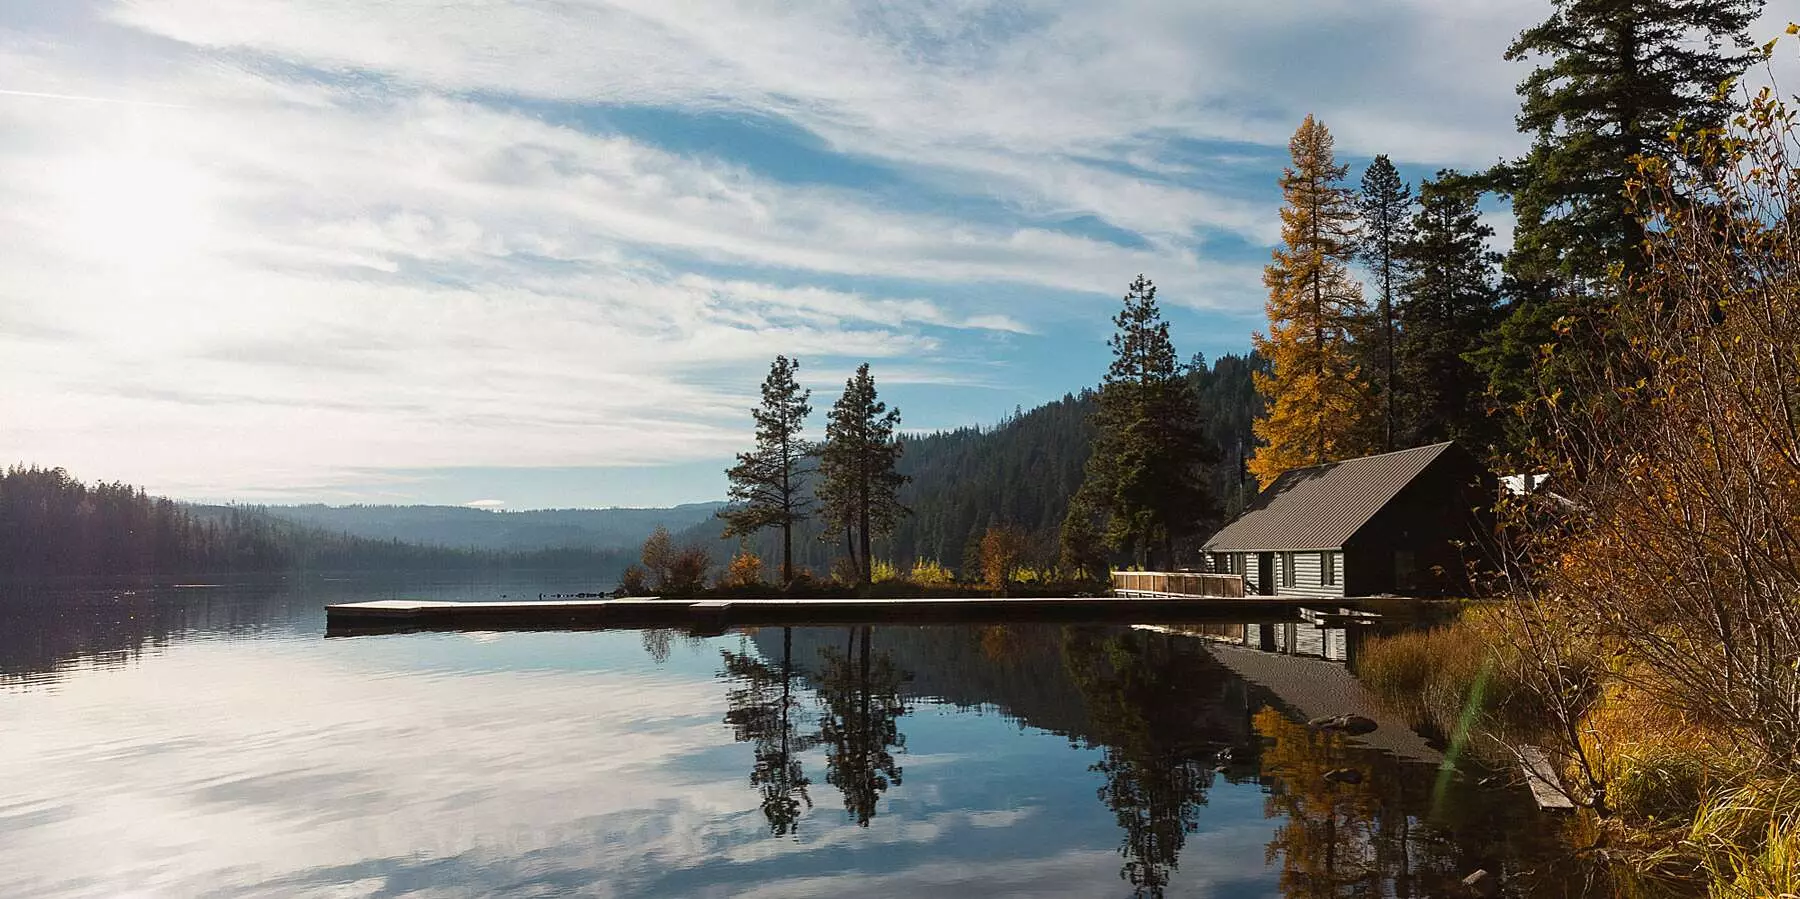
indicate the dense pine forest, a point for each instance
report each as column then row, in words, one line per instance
column 52, row 524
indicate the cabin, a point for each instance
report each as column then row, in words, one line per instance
column 1406, row 523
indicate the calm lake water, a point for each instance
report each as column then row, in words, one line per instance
column 210, row 741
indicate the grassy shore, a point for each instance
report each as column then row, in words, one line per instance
column 1667, row 804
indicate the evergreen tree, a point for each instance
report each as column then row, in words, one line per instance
column 1615, row 78
column 858, row 485
column 767, row 485
column 1448, row 303
column 1148, row 476
column 1386, row 203
column 1318, row 401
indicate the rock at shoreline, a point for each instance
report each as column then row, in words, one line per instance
column 1354, row 725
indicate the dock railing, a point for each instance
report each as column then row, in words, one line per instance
column 1177, row 583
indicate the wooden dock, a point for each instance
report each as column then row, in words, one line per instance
column 717, row 616
column 1540, row 776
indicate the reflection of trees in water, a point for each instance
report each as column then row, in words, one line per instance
column 1159, row 708
column 657, row 642
column 1335, row 838
column 45, row 630
column 762, row 709
column 860, row 703
column 1397, row 832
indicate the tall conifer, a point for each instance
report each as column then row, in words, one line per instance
column 1148, row 480
column 767, row 485
column 1317, row 398
column 1386, row 204
column 858, row 486
column 1614, row 79
column 1447, row 304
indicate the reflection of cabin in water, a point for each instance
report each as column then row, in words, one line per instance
column 1405, row 523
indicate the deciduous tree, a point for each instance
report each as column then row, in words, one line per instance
column 1002, row 549
column 1317, row 397
column 1684, row 558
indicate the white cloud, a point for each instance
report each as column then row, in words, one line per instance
column 322, row 238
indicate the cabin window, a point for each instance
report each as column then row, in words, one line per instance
column 1328, row 568
column 1288, row 565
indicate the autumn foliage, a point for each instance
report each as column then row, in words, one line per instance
column 1319, row 402
column 1002, row 549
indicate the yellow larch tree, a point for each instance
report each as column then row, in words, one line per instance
column 1319, row 404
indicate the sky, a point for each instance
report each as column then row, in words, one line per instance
column 539, row 254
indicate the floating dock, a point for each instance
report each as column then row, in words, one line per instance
column 719, row 615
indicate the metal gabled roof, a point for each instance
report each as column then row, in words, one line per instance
column 1321, row 507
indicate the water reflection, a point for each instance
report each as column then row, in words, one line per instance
column 1169, row 722
column 860, row 706
column 763, row 709
column 239, row 754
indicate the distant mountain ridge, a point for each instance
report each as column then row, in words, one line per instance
column 462, row 527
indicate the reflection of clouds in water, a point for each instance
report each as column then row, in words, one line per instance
column 308, row 764
column 376, row 768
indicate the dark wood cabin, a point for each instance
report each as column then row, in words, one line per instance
column 1406, row 523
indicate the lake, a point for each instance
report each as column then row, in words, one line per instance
column 210, row 741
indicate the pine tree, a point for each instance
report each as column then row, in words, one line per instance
column 767, row 485
column 1148, row 477
column 858, row 484
column 1317, row 398
column 1616, row 78
column 1386, row 204
column 1447, row 304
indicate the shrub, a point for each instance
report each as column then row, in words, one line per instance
column 634, row 582
column 930, row 573
column 882, row 570
column 687, row 572
column 745, row 570
column 845, row 571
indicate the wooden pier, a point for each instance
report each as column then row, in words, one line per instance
column 717, row 616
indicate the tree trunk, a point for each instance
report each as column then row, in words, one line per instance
column 868, row 563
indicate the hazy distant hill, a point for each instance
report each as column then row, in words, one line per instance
column 461, row 527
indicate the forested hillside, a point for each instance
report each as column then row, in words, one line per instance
column 1020, row 472
column 465, row 528
column 52, row 524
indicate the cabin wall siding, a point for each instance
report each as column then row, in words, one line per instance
column 1308, row 574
